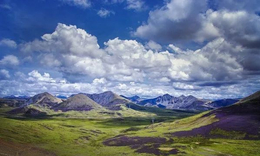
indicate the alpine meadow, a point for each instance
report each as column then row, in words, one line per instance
column 129, row 78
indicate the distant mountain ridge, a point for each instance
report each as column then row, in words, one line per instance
column 182, row 102
column 171, row 102
column 112, row 101
column 16, row 97
column 134, row 99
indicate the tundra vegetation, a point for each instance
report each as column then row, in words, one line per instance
column 135, row 130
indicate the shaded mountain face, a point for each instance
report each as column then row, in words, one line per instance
column 108, row 99
column 78, row 102
column 44, row 99
column 12, row 102
column 222, row 103
column 39, row 101
column 242, row 117
column 134, row 99
column 32, row 112
column 252, row 98
column 182, row 102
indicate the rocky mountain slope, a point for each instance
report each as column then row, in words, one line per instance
column 108, row 99
column 37, row 105
column 78, row 102
column 182, row 102
column 44, row 99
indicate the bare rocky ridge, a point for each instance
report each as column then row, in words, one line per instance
column 182, row 102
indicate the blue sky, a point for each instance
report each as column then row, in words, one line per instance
column 208, row 48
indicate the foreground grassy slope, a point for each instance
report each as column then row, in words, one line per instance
column 61, row 136
column 79, row 133
column 225, row 143
column 129, row 131
column 233, row 130
column 66, row 136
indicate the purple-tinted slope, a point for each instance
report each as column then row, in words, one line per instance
column 243, row 117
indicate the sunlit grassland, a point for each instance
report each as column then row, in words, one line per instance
column 83, row 133
column 184, row 124
column 77, row 133
column 63, row 136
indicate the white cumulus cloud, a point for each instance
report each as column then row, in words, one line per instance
column 9, row 61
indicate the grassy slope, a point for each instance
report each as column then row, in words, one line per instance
column 84, row 134
column 197, row 145
column 232, row 145
column 185, row 124
column 79, row 133
column 63, row 136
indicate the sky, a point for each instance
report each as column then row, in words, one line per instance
column 207, row 48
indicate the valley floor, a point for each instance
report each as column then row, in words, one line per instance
column 127, row 136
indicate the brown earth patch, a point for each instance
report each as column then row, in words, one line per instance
column 18, row 149
column 141, row 144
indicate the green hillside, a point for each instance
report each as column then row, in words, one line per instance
column 134, row 130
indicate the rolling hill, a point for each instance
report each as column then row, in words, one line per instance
column 138, row 130
column 44, row 99
column 232, row 130
column 78, row 102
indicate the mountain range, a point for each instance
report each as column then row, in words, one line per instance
column 170, row 102
column 110, row 101
column 229, row 125
column 182, row 102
